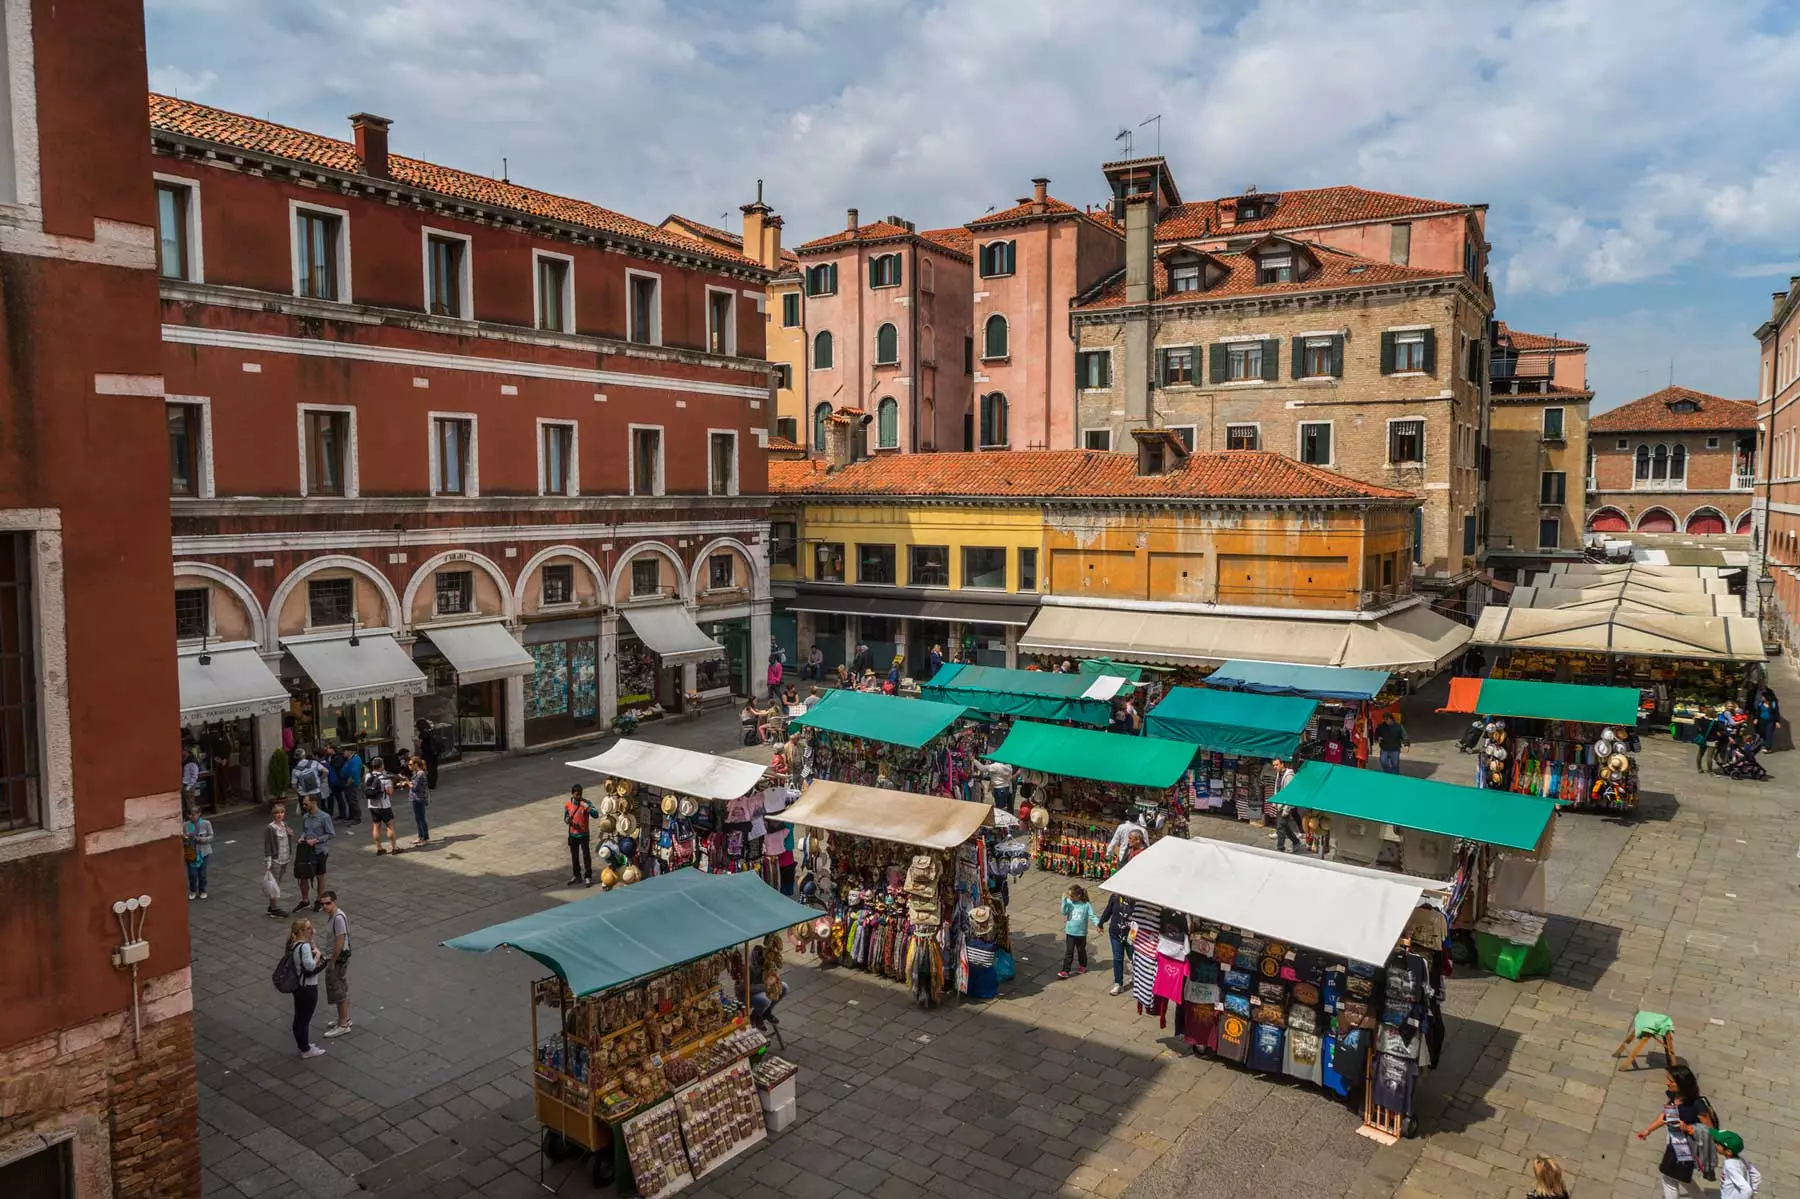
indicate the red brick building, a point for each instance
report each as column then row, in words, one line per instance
column 444, row 448
column 1776, row 542
column 1676, row 461
column 97, row 1090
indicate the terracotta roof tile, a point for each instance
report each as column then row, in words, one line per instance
column 712, row 233
column 1337, row 269
column 781, row 445
column 955, row 240
column 1053, row 207
column 184, row 118
column 1658, row 411
column 790, row 476
column 1079, row 474
column 1525, row 342
column 1303, row 209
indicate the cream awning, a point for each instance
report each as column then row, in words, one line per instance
column 685, row 771
column 1703, row 580
column 671, row 634
column 931, row 821
column 1630, row 599
column 1412, row 639
column 481, row 652
column 375, row 667
column 1636, row 634
column 233, row 682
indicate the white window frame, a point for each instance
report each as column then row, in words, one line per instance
column 1193, row 435
column 465, row 283
column 1712, row 443
column 204, row 448
column 1196, row 265
column 56, row 771
column 1306, row 340
column 568, row 296
column 731, row 324
column 1387, row 443
column 731, row 484
column 1106, row 350
column 662, row 458
column 1225, row 428
column 656, row 322
column 295, row 208
column 196, row 248
column 1106, row 429
column 472, row 488
column 574, row 464
column 1300, row 442
column 1397, row 330
column 352, row 483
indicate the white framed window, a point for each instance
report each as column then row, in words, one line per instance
column 1093, row 370
column 1406, row 441
column 1187, row 433
column 321, row 251
column 37, row 797
column 1184, row 275
column 449, row 273
column 643, row 307
column 721, row 462
column 559, row 457
column 1096, row 439
column 189, row 421
column 1244, row 362
column 644, row 459
column 1246, row 436
column 455, row 460
column 327, row 434
column 553, row 291
column 1313, row 442
column 721, row 320
column 996, row 258
column 180, row 252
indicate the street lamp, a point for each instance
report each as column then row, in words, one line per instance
column 1765, row 590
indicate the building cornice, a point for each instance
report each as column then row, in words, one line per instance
column 1253, row 304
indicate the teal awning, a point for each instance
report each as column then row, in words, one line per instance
column 1491, row 816
column 876, row 717
column 658, row 924
column 1232, row 722
column 1287, row 678
column 1107, row 666
column 1041, row 695
column 1088, row 754
column 1558, row 701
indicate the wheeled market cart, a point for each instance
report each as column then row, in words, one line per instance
column 647, row 1065
column 1240, row 733
column 1562, row 741
column 864, row 738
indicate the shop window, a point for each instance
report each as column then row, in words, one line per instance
column 1242, row 437
column 929, row 566
column 455, row 592
column 193, row 613
column 186, row 422
column 646, row 575
column 984, row 566
column 1406, row 442
column 875, row 564
column 783, row 547
column 330, row 602
column 558, row 583
column 721, row 573
column 1028, row 572
column 828, row 562
column 19, row 754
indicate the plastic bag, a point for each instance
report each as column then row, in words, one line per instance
column 1005, row 970
column 271, row 888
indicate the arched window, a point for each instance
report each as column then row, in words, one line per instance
column 884, row 270
column 997, row 258
column 1659, row 463
column 821, row 413
column 993, row 337
column 1643, row 462
column 927, row 275
column 1678, row 464
column 822, row 352
column 993, row 420
column 887, row 345
column 887, row 423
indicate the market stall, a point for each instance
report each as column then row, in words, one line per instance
column 872, row 739
column 1351, row 702
column 1318, row 971
column 1084, row 783
column 1239, row 733
column 1040, row 695
column 905, row 880
column 1561, row 741
column 646, row 1061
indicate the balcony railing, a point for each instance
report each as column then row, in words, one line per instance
column 1659, row 484
column 1742, row 482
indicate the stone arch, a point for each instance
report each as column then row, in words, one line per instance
column 1657, row 520
column 395, row 613
column 758, row 563
column 1706, row 521
column 1745, row 524
column 259, row 625
column 682, row 579
column 1608, row 520
column 481, row 561
column 595, row 570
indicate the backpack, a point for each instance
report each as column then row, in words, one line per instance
column 373, row 791
column 287, row 974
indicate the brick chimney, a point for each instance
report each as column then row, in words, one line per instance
column 771, row 255
column 372, row 143
column 756, row 216
column 850, row 221
column 1040, row 194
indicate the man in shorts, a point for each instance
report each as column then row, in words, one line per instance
column 380, row 792
column 337, row 965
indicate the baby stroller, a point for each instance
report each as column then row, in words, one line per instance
column 1471, row 737
column 1742, row 763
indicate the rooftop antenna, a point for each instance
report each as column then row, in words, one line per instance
column 990, row 208
column 1124, row 135
column 1157, row 119
column 1671, row 372
column 505, row 171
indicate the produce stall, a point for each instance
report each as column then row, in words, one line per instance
column 1239, row 733
column 1081, row 698
column 647, row 1062
column 870, row 739
column 1562, row 741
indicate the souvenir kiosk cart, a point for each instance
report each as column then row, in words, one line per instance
column 1085, row 783
column 1490, row 846
column 1562, row 741
column 642, row 1052
column 904, row 880
column 683, row 808
column 1318, row 971
column 864, row 738
column 1038, row 695
column 1351, row 702
column 1239, row 734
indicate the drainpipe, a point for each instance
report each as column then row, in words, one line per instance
column 914, row 367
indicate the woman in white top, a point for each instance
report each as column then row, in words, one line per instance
column 309, row 964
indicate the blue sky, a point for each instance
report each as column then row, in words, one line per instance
column 1640, row 157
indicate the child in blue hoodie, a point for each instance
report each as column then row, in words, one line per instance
column 1078, row 917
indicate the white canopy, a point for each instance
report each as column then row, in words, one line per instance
column 481, row 652
column 1328, row 906
column 1615, row 631
column 666, row 768
column 671, row 634
column 374, row 667
column 230, row 684
column 931, row 821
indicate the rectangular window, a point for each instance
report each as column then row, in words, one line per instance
column 451, row 437
column 47, row 1173
column 327, row 452
column 643, row 318
column 1275, row 268
column 1242, row 437
column 790, row 310
column 784, row 381
column 559, row 459
column 444, row 261
column 20, row 801
column 1548, row 533
column 1320, row 361
column 1406, row 441
column 1178, row 366
column 1469, row 534
column 1244, row 360
column 553, row 295
column 828, row 562
column 1185, row 433
column 646, row 575
column 984, row 566
column 929, row 566
column 997, row 258
column 1184, row 277
column 330, row 602
column 558, row 584
column 193, row 613
column 968, row 355
column 646, row 462
column 875, row 564
column 821, row 280
column 317, row 236
column 1552, row 486
column 1409, row 351
column 455, row 592
column 1553, row 424
column 884, row 271
column 184, row 421
column 784, row 536
column 721, row 463
column 1028, row 580
column 1315, row 442
column 721, row 329
column 788, row 427
column 721, row 572
column 1096, row 439
column 1400, row 244
column 174, row 254
column 1093, row 369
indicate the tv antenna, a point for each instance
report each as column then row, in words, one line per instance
column 1124, row 135
column 1157, row 121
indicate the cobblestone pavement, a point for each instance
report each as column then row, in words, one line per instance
column 1053, row 1089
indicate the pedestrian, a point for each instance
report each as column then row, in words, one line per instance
column 308, row 964
column 1289, row 829
column 1078, row 917
column 862, row 661
column 196, row 847
column 1000, row 779
column 893, row 676
column 1390, row 737
column 310, row 861
column 1134, row 719
column 429, row 751
column 815, row 664
column 1122, row 835
column 1718, row 739
column 775, row 675
column 1703, row 741
column 812, row 699
column 379, row 791
column 936, row 660
column 337, row 965
column 1768, row 716
column 334, row 782
column 1547, row 1179
column 1738, row 1179
column 1117, row 919
column 1684, row 1114
column 420, row 786
column 278, row 854
column 190, row 778
column 354, row 770
column 308, row 777
column 577, row 812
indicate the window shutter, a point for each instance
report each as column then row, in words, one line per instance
column 1431, row 355
column 1337, row 357
column 1162, row 368
column 1220, row 364
column 1011, row 247
column 1297, row 366
column 875, row 272
column 1271, row 359
column 1387, row 353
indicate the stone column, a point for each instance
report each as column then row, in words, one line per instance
column 609, row 667
column 758, row 653
column 265, row 739
column 1012, row 646
column 514, row 690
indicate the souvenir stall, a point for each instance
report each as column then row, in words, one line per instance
column 1040, row 695
column 642, row 1047
column 685, row 808
column 1351, row 702
column 1084, row 784
column 904, row 879
column 1490, row 845
column 1317, row 971
column 1562, row 741
column 882, row 740
column 1239, row 733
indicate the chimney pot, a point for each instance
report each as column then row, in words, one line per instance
column 371, row 142
column 850, row 220
column 1040, row 192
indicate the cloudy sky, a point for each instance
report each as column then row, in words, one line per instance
column 1641, row 157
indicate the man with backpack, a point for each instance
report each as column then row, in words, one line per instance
column 378, row 789
column 308, row 778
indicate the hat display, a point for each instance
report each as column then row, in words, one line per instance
column 981, row 922
column 630, row 874
column 604, row 826
column 689, row 808
column 669, row 805
column 628, row 847
column 1618, row 763
column 625, row 825
column 1040, row 817
column 608, row 879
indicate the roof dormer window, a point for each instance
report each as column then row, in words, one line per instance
column 1275, row 268
column 1184, row 275
column 1684, row 406
column 1251, row 209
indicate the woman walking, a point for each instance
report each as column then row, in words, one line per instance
column 421, row 798
column 309, row 964
column 1685, row 1117
column 1117, row 919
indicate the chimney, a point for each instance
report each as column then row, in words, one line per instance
column 1040, row 193
column 755, row 219
column 845, row 434
column 371, row 142
column 1140, row 248
column 850, row 221
column 1227, row 210
column 771, row 255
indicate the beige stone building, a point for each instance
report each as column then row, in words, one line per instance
column 1538, row 399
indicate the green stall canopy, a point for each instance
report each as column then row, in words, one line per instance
column 655, row 925
column 1490, row 816
column 1558, row 701
column 1102, row 757
column 1124, row 670
column 1232, row 722
column 1042, row 695
column 875, row 717
column 1289, row 678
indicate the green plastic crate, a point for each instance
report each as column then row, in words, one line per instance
column 1502, row 957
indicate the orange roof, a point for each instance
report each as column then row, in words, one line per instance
column 713, row 233
column 1668, row 409
column 957, row 240
column 780, row 444
column 1337, row 269
column 788, row 476
column 184, row 118
column 1525, row 342
column 1025, row 210
column 1303, row 209
column 1080, row 474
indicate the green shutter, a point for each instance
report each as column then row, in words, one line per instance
column 1221, row 365
column 1162, row 368
column 875, row 272
column 1387, row 353
column 1431, row 356
column 1337, row 357
column 1011, row 248
column 1271, row 359
column 1297, row 367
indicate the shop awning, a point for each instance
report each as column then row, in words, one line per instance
column 1412, row 639
column 875, row 717
column 1632, row 634
column 1637, row 578
column 349, row 668
column 1328, row 906
column 1630, row 599
column 481, row 652
column 684, row 771
column 1288, row 678
column 1134, row 674
column 671, row 634
column 1045, row 695
column 1544, row 701
column 1232, row 722
column 931, row 821
column 913, row 607
column 232, row 684
column 1493, row 817
column 663, row 922
column 1089, row 754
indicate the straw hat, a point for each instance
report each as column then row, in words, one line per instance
column 604, row 826
column 630, row 874
column 625, row 788
column 669, row 805
column 689, row 808
column 625, row 825
column 1618, row 763
column 981, row 921
column 608, row 879
column 1040, row 817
